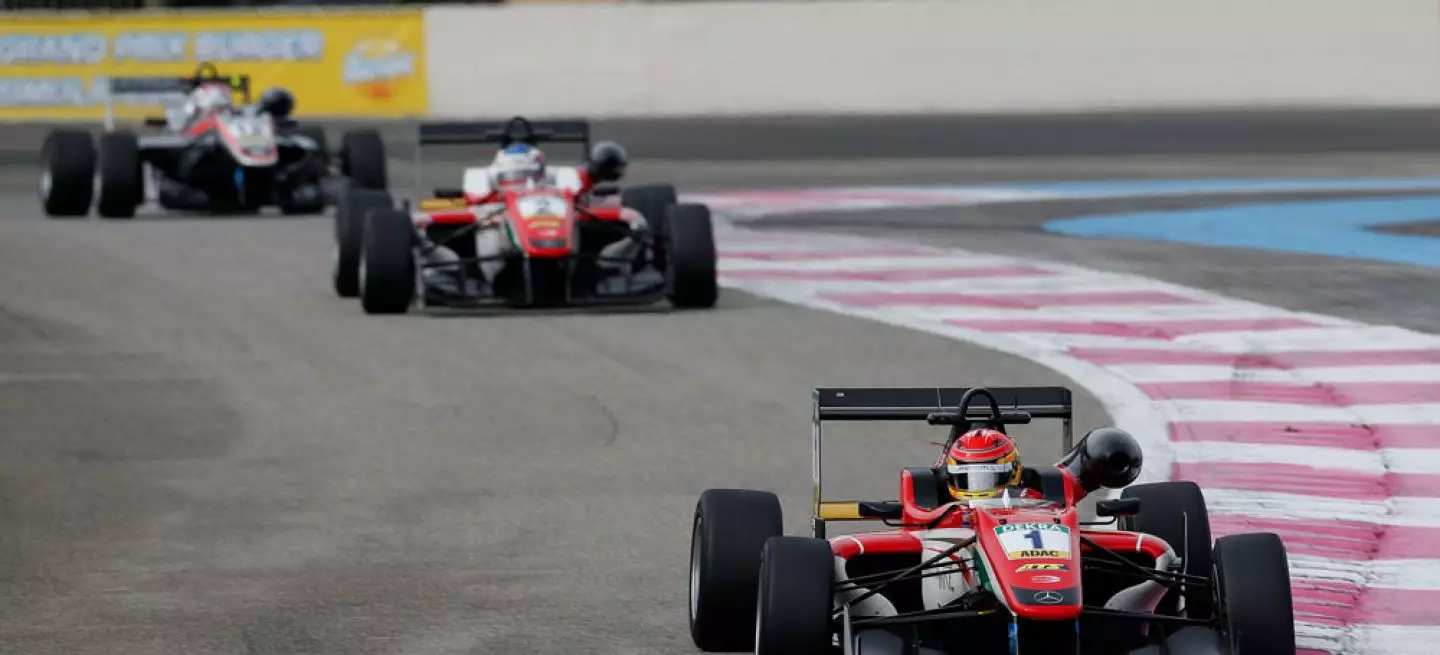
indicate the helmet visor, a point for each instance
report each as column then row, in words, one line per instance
column 981, row 477
column 518, row 174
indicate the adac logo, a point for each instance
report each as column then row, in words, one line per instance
column 375, row 65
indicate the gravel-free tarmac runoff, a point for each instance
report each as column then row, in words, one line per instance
column 203, row 450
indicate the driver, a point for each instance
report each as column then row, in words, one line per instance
column 207, row 98
column 518, row 164
column 980, row 463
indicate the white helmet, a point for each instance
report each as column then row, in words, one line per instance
column 209, row 97
column 517, row 163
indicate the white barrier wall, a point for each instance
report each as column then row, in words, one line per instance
column 773, row 57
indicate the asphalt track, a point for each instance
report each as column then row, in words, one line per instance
column 207, row 452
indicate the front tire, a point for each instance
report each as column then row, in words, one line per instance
column 728, row 534
column 693, row 282
column 362, row 159
column 350, row 237
column 121, row 185
column 67, row 177
column 797, row 579
column 1175, row 511
column 653, row 201
column 1252, row 578
column 387, row 278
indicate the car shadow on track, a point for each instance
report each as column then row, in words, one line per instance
column 528, row 312
column 187, row 219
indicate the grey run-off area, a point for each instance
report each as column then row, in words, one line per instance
column 207, row 452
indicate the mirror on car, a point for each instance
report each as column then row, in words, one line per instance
column 1118, row 507
column 449, row 193
column 601, row 190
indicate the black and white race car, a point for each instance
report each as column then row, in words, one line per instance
column 213, row 156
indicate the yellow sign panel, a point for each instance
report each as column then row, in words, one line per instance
column 362, row 64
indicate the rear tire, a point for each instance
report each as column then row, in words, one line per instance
column 387, row 276
column 1165, row 509
column 350, row 237
column 797, row 579
column 727, row 536
column 67, row 178
column 692, row 269
column 362, row 159
column 1252, row 576
column 121, row 185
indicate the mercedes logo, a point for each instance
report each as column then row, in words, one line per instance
column 1048, row 597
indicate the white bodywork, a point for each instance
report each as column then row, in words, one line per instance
column 480, row 181
column 941, row 590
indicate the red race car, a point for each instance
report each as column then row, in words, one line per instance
column 1012, row 570
column 522, row 232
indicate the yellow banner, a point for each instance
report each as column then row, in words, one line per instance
column 360, row 64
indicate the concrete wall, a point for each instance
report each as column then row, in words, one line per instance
column 947, row 56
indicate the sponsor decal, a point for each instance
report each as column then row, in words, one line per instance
column 85, row 47
column 1049, row 597
column 1034, row 540
column 1045, row 579
column 1037, row 554
column 150, row 47
column 260, row 45
column 376, row 66
column 1065, row 596
column 532, row 207
column 1042, row 567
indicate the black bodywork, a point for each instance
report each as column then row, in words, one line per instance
column 194, row 170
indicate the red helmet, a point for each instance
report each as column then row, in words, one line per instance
column 980, row 463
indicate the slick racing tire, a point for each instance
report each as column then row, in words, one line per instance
column 797, row 580
column 1175, row 512
column 67, row 173
column 387, row 262
column 362, row 159
column 729, row 531
column 692, row 257
column 350, row 236
column 653, row 201
column 1252, row 578
column 121, row 185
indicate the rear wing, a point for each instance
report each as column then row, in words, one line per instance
column 928, row 404
column 155, row 86
column 501, row 133
column 504, row 133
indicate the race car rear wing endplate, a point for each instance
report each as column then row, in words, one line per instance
column 918, row 404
